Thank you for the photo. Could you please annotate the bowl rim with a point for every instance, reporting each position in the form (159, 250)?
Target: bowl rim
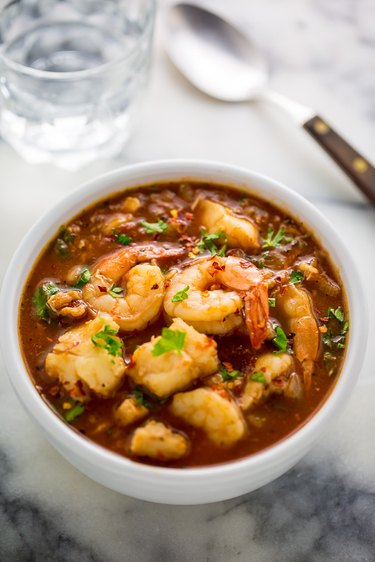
(93, 190)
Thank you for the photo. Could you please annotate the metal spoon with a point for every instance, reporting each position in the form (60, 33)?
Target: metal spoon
(222, 62)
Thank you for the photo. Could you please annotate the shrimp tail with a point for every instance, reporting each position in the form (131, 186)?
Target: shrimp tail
(307, 367)
(256, 314)
(117, 264)
(307, 346)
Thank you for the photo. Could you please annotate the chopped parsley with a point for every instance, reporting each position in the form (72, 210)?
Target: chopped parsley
(259, 377)
(259, 262)
(181, 295)
(296, 277)
(74, 412)
(271, 302)
(334, 338)
(170, 340)
(337, 313)
(43, 293)
(272, 240)
(140, 398)
(229, 375)
(209, 242)
(84, 277)
(335, 341)
(65, 239)
(122, 238)
(116, 292)
(107, 339)
(155, 227)
(280, 340)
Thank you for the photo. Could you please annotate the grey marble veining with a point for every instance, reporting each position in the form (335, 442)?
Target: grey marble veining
(320, 510)
(321, 52)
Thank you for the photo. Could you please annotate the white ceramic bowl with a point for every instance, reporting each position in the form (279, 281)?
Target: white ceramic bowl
(166, 485)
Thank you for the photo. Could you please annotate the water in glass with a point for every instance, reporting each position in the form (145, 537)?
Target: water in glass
(70, 82)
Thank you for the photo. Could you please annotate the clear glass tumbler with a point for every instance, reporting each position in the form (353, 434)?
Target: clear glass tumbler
(72, 73)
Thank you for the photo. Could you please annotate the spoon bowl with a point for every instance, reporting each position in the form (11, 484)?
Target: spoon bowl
(222, 61)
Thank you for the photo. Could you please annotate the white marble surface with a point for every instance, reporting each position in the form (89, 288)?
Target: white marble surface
(321, 52)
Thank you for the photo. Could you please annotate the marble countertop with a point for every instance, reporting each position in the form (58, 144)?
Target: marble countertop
(323, 54)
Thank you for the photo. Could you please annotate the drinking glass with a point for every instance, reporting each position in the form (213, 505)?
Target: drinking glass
(72, 73)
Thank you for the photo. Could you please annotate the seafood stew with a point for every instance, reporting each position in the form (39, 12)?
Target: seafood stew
(184, 324)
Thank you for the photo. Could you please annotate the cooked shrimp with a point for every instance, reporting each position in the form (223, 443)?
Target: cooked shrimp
(157, 441)
(76, 359)
(276, 370)
(217, 311)
(296, 306)
(171, 371)
(130, 412)
(240, 232)
(219, 417)
(138, 300)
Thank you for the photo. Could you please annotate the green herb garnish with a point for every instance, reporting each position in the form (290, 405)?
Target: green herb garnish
(170, 340)
(272, 240)
(259, 377)
(229, 375)
(116, 292)
(334, 341)
(122, 238)
(106, 339)
(296, 277)
(140, 398)
(43, 293)
(181, 295)
(259, 262)
(207, 242)
(280, 340)
(65, 239)
(337, 313)
(334, 338)
(84, 277)
(74, 412)
(271, 302)
(154, 227)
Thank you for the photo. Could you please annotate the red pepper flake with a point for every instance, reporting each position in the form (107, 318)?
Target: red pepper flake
(217, 266)
(102, 289)
(228, 366)
(156, 286)
(189, 216)
(221, 391)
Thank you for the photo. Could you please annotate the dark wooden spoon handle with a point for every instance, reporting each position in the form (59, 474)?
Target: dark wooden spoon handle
(360, 171)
